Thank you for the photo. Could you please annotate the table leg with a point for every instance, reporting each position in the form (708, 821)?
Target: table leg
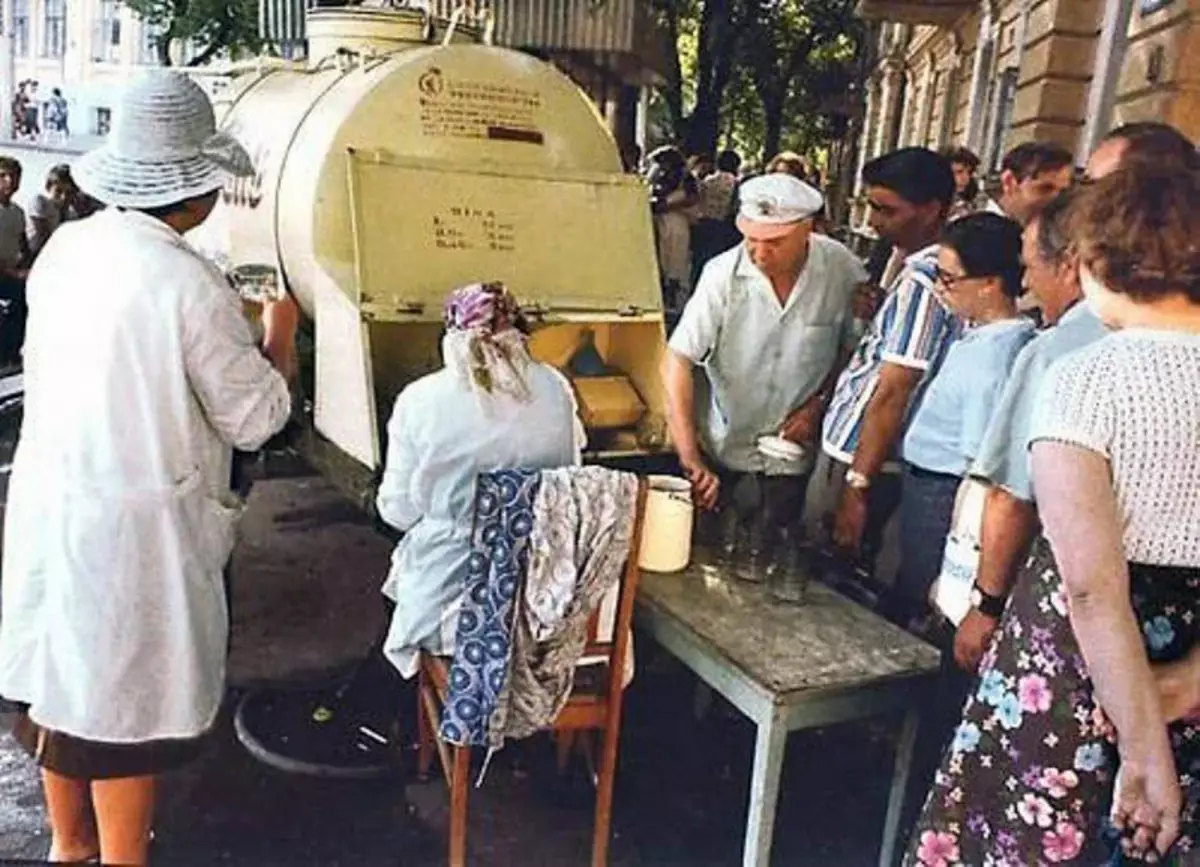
(895, 807)
(702, 700)
(769, 749)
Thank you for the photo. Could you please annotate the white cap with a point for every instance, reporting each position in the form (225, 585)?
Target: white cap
(164, 147)
(772, 205)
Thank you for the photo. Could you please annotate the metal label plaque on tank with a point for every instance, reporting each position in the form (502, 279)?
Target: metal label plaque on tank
(465, 108)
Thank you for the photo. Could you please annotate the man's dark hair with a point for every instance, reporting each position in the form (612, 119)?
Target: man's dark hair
(918, 175)
(10, 166)
(1054, 229)
(729, 161)
(988, 245)
(961, 156)
(1032, 158)
(1155, 144)
(59, 174)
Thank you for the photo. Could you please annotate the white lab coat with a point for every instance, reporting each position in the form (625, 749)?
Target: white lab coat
(140, 373)
(440, 437)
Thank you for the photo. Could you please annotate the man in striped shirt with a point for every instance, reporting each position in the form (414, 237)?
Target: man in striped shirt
(910, 192)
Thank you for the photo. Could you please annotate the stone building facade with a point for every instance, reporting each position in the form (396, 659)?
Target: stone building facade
(990, 74)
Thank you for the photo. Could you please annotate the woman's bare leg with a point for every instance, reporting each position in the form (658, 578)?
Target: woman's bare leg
(124, 810)
(74, 833)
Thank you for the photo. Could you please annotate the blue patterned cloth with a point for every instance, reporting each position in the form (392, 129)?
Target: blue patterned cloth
(499, 559)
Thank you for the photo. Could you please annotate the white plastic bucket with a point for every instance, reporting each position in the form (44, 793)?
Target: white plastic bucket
(667, 530)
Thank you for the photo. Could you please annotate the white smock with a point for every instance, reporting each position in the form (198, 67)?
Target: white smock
(140, 373)
(442, 434)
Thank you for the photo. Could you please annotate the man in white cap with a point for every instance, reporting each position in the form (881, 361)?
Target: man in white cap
(140, 376)
(769, 323)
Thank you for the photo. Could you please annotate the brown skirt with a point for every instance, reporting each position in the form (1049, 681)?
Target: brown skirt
(81, 759)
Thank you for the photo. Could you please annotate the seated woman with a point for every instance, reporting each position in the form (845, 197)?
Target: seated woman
(1085, 706)
(979, 278)
(492, 407)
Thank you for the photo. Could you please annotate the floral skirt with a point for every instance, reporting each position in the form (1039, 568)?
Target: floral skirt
(1028, 777)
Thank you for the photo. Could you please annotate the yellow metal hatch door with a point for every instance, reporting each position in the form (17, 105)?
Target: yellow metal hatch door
(570, 246)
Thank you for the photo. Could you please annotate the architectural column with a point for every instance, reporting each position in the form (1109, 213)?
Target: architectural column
(909, 108)
(866, 138)
(892, 92)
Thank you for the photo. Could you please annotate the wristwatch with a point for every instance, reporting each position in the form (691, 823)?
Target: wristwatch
(858, 481)
(987, 604)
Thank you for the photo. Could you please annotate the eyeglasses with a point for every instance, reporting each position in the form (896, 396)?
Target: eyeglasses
(947, 279)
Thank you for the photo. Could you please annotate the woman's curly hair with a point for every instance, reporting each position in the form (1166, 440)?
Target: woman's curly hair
(1138, 231)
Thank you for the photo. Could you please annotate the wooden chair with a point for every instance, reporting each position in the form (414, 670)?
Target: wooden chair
(587, 710)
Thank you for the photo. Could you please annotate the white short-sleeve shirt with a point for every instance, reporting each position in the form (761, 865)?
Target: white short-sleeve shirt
(764, 359)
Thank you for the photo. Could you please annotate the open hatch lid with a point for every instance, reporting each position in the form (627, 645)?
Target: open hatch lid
(569, 246)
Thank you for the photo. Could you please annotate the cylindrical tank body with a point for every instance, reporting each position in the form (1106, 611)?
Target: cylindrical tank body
(383, 181)
(299, 124)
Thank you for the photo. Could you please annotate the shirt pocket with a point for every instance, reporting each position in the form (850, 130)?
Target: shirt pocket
(817, 348)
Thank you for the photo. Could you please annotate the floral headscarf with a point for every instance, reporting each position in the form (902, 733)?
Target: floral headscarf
(484, 343)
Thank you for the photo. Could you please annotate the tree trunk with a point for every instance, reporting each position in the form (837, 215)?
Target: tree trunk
(773, 128)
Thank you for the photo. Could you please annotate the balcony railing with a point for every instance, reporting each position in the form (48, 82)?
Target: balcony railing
(941, 13)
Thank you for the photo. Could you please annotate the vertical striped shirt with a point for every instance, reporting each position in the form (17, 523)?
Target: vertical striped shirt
(912, 329)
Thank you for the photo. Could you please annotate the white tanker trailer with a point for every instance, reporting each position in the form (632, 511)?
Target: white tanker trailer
(391, 170)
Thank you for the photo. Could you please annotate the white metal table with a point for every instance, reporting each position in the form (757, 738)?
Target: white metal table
(790, 667)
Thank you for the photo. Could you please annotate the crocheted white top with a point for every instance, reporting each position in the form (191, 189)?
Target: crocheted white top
(1134, 397)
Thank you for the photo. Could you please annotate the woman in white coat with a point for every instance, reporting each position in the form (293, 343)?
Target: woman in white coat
(141, 373)
(492, 407)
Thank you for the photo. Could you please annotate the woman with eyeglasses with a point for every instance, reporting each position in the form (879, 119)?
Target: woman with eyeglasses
(1087, 707)
(979, 279)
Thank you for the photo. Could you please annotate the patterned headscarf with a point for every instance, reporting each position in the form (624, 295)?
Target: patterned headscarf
(485, 307)
(485, 342)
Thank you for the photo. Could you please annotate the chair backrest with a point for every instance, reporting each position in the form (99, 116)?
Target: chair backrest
(608, 630)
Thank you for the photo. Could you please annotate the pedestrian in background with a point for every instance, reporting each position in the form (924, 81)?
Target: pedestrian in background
(15, 258)
(965, 163)
(49, 208)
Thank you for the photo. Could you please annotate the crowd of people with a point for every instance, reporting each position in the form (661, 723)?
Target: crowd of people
(1040, 346)
(1066, 715)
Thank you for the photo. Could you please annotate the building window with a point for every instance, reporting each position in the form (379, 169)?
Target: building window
(148, 52)
(103, 121)
(106, 45)
(1001, 119)
(54, 35)
(21, 28)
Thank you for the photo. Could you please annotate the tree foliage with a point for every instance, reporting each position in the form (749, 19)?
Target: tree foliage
(760, 75)
(210, 26)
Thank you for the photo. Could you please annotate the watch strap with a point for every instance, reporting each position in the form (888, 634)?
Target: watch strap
(986, 603)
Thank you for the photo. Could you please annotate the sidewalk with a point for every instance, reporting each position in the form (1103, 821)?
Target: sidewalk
(73, 146)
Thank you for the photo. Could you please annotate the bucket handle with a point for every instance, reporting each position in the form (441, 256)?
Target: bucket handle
(455, 18)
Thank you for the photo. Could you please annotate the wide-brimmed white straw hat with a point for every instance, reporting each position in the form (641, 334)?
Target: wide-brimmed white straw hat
(164, 147)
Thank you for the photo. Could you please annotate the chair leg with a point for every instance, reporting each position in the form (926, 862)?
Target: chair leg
(459, 789)
(604, 796)
(564, 740)
(425, 735)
